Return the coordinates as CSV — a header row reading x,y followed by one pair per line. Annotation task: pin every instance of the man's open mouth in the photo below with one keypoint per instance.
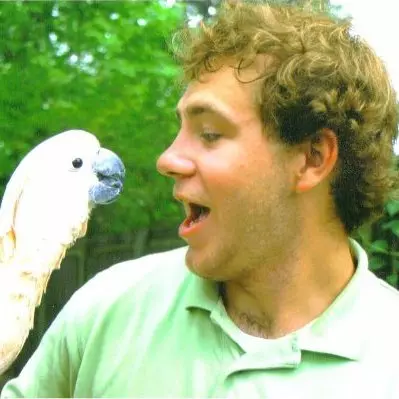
x,y
196,213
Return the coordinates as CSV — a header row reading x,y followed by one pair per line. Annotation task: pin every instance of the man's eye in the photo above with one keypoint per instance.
x,y
210,137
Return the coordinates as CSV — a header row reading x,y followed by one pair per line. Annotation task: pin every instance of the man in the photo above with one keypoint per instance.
x,y
284,148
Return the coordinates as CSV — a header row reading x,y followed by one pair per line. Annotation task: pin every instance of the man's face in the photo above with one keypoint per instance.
x,y
234,181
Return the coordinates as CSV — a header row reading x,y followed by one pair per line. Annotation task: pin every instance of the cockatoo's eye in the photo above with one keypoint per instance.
x,y
77,163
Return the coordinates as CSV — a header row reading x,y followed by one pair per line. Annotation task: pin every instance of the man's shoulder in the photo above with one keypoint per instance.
x,y
383,303
151,277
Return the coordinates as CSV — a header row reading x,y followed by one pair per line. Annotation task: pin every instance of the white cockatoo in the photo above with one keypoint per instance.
x,y
45,208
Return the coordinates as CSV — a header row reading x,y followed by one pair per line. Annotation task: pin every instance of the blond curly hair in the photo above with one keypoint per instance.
x,y
321,76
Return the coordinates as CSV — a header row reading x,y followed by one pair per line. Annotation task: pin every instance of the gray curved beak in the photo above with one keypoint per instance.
x,y
110,173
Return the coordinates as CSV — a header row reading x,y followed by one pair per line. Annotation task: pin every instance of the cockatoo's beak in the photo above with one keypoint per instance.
x,y
110,173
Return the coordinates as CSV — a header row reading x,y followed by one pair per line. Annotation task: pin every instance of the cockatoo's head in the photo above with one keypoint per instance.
x,y
76,159
69,170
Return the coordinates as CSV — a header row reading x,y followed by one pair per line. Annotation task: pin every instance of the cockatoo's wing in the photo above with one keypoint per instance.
x,y
8,208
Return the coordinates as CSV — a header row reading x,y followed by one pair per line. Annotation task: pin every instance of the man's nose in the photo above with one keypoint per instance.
x,y
175,163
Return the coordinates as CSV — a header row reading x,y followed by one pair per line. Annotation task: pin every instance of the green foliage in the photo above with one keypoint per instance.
x,y
99,66
381,241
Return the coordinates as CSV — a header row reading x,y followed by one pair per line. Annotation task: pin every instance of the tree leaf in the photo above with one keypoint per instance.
x,y
393,226
380,246
376,263
392,207
392,279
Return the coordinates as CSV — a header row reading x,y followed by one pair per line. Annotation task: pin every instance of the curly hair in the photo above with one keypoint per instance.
x,y
321,76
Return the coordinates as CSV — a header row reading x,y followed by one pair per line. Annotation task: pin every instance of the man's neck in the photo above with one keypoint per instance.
x,y
276,300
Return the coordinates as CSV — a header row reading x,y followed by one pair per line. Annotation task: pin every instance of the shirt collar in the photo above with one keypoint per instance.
x,y
201,293
342,328
339,331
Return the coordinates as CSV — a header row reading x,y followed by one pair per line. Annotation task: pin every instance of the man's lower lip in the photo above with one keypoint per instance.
x,y
186,229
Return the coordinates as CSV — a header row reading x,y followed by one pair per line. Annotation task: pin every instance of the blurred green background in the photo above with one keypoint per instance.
x,y
99,66
104,66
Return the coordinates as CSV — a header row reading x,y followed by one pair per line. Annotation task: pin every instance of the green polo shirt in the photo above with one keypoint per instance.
x,y
150,328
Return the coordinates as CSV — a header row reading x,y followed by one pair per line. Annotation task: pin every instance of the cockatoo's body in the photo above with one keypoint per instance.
x,y
45,208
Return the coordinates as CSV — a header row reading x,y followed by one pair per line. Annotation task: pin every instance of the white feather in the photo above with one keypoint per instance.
x,y
45,208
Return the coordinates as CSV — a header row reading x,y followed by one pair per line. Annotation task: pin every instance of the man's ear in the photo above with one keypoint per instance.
x,y
320,155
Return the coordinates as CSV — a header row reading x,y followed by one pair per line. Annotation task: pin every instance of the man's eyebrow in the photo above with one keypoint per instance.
x,y
194,110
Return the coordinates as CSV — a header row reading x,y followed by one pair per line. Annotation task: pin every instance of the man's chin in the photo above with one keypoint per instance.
x,y
199,263
204,264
